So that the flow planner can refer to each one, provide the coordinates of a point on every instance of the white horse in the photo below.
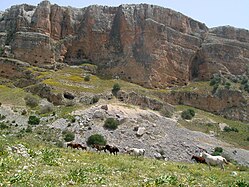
(214, 160)
(135, 151)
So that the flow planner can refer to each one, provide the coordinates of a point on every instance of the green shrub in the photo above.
(244, 80)
(217, 151)
(215, 88)
(95, 99)
(111, 123)
(227, 85)
(242, 183)
(116, 87)
(188, 114)
(28, 129)
(247, 138)
(96, 139)
(87, 78)
(31, 101)
(229, 129)
(33, 120)
(3, 125)
(215, 80)
(68, 136)
(212, 82)
(246, 87)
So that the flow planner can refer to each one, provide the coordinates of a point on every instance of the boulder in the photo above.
(140, 131)
(99, 114)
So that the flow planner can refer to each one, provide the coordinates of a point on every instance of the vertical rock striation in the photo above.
(146, 44)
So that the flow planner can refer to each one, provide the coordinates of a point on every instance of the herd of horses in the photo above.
(204, 157)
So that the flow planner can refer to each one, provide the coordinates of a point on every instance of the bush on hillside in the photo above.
(3, 126)
(217, 151)
(31, 101)
(116, 87)
(96, 139)
(87, 78)
(33, 120)
(188, 114)
(95, 99)
(46, 108)
(68, 136)
(28, 129)
(229, 129)
(215, 80)
(111, 123)
(227, 85)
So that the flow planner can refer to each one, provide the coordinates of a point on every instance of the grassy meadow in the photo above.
(49, 165)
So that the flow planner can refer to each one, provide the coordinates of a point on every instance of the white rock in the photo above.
(234, 173)
(140, 131)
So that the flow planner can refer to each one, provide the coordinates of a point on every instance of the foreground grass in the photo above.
(52, 166)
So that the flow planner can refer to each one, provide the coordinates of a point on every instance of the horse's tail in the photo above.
(225, 161)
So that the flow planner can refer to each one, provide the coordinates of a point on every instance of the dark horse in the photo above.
(98, 147)
(112, 149)
(76, 146)
(198, 159)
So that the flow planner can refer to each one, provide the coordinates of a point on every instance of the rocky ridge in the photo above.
(146, 44)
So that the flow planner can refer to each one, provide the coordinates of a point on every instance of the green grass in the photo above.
(52, 166)
(197, 87)
(12, 96)
(198, 124)
(73, 79)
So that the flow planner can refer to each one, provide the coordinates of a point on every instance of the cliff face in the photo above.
(145, 44)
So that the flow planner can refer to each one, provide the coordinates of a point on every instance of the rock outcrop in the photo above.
(149, 45)
(228, 103)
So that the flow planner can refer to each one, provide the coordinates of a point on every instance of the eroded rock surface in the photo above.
(145, 44)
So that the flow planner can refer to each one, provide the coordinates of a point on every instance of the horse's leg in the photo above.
(209, 166)
(222, 167)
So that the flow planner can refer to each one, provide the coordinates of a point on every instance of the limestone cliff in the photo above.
(149, 45)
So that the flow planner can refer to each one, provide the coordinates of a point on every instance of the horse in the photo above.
(98, 147)
(198, 159)
(112, 149)
(214, 160)
(135, 151)
(76, 146)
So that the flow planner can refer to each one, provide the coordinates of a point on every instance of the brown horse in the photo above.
(76, 146)
(198, 159)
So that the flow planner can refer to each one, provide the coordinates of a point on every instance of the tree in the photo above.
(96, 139)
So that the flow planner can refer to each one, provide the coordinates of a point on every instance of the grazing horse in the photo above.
(135, 151)
(99, 148)
(214, 160)
(112, 149)
(198, 159)
(76, 146)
